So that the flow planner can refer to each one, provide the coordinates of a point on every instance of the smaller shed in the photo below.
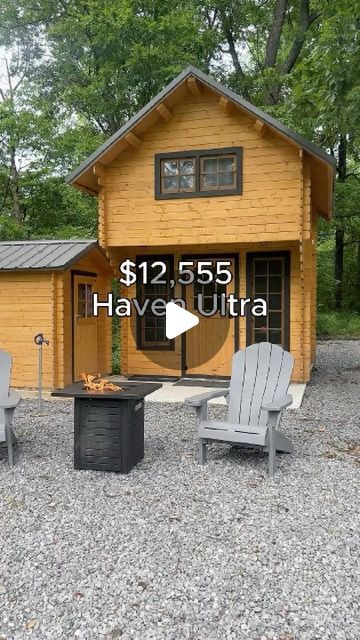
(46, 287)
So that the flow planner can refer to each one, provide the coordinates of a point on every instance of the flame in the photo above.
(96, 383)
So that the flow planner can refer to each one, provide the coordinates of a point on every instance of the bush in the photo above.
(338, 325)
(115, 333)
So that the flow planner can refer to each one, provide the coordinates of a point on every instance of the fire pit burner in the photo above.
(96, 383)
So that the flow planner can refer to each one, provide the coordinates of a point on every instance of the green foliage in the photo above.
(85, 67)
(338, 325)
(51, 207)
(116, 347)
(10, 229)
(104, 58)
(326, 283)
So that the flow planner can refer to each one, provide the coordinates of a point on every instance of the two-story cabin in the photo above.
(201, 174)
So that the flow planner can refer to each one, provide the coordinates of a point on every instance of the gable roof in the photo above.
(84, 178)
(43, 254)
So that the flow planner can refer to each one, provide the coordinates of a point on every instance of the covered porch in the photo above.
(272, 271)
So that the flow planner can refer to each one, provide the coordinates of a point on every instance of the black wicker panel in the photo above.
(109, 434)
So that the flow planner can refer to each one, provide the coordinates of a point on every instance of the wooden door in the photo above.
(210, 345)
(268, 277)
(85, 328)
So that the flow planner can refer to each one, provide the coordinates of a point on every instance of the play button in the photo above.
(178, 320)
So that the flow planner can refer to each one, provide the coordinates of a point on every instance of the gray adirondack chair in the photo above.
(8, 402)
(256, 397)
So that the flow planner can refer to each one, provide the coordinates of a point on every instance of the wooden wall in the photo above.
(27, 308)
(40, 302)
(64, 334)
(268, 209)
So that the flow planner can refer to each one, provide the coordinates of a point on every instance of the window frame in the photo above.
(141, 345)
(286, 256)
(88, 304)
(178, 175)
(198, 155)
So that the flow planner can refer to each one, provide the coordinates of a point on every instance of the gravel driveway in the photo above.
(177, 551)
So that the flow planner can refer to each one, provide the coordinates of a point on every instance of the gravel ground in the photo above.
(177, 551)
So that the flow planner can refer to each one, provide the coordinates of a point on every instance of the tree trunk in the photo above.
(272, 91)
(339, 267)
(14, 189)
(340, 233)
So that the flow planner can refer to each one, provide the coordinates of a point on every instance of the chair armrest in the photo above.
(11, 401)
(203, 398)
(279, 404)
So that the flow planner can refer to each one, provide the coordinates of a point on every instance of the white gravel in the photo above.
(177, 551)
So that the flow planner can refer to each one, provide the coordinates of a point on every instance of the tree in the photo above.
(96, 63)
(265, 42)
(33, 199)
(104, 59)
(326, 100)
(21, 135)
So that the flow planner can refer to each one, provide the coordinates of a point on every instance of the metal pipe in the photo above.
(40, 340)
(40, 376)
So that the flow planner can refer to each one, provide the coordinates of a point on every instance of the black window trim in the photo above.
(287, 277)
(197, 154)
(140, 346)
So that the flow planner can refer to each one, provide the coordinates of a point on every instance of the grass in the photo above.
(338, 325)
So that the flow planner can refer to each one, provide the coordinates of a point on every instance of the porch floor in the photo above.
(175, 392)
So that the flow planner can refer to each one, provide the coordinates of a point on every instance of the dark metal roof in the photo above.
(312, 148)
(42, 254)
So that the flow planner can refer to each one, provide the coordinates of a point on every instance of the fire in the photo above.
(96, 383)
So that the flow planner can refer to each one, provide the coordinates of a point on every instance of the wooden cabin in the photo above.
(201, 174)
(46, 287)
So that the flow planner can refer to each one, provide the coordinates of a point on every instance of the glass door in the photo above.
(268, 276)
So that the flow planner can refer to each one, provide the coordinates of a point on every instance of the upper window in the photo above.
(198, 173)
(177, 175)
(218, 172)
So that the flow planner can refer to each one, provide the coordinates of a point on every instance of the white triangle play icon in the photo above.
(178, 320)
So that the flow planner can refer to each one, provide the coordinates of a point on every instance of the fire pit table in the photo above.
(108, 425)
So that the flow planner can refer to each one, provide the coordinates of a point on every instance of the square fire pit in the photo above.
(108, 426)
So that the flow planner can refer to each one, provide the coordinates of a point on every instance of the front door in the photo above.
(210, 345)
(85, 328)
(268, 277)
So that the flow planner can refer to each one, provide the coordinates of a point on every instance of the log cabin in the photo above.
(201, 174)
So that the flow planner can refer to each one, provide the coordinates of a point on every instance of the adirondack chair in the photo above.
(8, 402)
(256, 397)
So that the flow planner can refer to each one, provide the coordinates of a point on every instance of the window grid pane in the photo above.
(217, 173)
(81, 310)
(178, 175)
(152, 327)
(268, 283)
(89, 301)
(198, 174)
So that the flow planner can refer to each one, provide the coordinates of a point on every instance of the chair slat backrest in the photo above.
(5, 374)
(260, 374)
